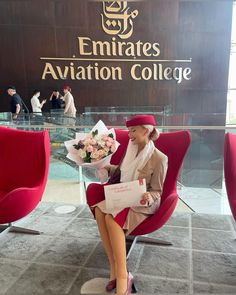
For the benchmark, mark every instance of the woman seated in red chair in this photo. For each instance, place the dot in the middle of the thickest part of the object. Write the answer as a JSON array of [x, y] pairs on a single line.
[[142, 160]]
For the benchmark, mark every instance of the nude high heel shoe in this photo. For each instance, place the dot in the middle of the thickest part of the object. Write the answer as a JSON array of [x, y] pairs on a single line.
[[130, 281]]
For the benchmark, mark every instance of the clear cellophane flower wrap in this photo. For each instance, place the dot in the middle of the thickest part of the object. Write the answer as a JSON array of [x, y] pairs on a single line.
[[93, 149]]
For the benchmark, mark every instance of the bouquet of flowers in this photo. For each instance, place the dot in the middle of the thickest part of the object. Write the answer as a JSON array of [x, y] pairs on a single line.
[[93, 149]]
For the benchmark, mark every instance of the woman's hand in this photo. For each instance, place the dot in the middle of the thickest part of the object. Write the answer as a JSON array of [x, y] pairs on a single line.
[[146, 199]]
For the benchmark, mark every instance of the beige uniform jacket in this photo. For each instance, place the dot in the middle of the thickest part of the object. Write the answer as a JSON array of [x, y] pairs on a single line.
[[154, 172], [70, 109]]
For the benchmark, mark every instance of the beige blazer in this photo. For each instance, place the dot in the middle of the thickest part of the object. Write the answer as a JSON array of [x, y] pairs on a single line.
[[154, 172], [70, 109]]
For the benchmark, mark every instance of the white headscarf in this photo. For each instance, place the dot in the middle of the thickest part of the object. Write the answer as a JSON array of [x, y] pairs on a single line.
[[131, 164]]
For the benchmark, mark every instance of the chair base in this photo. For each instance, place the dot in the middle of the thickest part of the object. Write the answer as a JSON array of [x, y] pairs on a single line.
[[17, 229], [143, 239], [134, 289]]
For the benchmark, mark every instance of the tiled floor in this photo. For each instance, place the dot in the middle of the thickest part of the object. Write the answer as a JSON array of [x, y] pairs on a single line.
[[69, 253]]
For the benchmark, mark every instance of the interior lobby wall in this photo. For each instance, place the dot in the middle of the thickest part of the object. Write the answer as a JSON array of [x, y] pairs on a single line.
[[189, 34]]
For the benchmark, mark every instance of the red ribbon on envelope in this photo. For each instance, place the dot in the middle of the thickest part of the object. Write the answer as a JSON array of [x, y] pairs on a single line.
[[142, 202], [140, 181]]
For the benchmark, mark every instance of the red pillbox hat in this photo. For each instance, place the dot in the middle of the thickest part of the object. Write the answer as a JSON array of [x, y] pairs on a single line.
[[66, 87], [141, 120]]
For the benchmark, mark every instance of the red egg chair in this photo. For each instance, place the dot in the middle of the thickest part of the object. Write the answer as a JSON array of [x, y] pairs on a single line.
[[175, 146], [24, 162], [230, 170]]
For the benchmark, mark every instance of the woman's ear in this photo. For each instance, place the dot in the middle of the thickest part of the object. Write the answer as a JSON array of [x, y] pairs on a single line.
[[146, 131]]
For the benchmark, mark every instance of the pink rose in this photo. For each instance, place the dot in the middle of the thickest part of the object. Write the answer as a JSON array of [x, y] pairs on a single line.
[[104, 137], [87, 141], [93, 142], [113, 148], [108, 144], [89, 149]]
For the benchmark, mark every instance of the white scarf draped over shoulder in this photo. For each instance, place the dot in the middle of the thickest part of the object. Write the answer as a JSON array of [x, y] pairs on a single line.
[[131, 163]]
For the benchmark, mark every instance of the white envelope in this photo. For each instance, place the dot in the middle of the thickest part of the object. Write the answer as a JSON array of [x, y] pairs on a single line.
[[124, 195]]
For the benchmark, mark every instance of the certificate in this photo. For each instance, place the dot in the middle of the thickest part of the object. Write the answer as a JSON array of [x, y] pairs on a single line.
[[124, 195]]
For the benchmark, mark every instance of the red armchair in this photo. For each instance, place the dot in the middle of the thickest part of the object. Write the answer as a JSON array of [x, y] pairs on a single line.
[[175, 146], [24, 162], [230, 170]]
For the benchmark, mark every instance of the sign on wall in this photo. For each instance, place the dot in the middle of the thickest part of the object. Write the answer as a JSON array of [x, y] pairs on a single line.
[[104, 58]]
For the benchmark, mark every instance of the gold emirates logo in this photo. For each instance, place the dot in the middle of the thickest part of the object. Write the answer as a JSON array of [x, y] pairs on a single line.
[[117, 19]]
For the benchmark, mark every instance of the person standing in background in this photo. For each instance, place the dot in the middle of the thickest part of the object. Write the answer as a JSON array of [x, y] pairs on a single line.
[[16, 101], [36, 104], [56, 100], [68, 98]]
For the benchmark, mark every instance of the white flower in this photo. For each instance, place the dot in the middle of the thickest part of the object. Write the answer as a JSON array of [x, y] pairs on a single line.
[[82, 153], [95, 155], [106, 150], [101, 143], [102, 153]]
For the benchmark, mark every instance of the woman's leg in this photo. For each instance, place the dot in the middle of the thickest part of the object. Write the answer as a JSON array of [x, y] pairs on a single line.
[[117, 238], [100, 218]]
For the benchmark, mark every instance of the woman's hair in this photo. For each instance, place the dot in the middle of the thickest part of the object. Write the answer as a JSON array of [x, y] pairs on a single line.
[[153, 132], [36, 91]]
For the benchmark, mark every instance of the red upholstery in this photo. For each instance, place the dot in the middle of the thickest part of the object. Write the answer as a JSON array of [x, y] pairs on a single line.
[[24, 162], [230, 170], [174, 145]]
